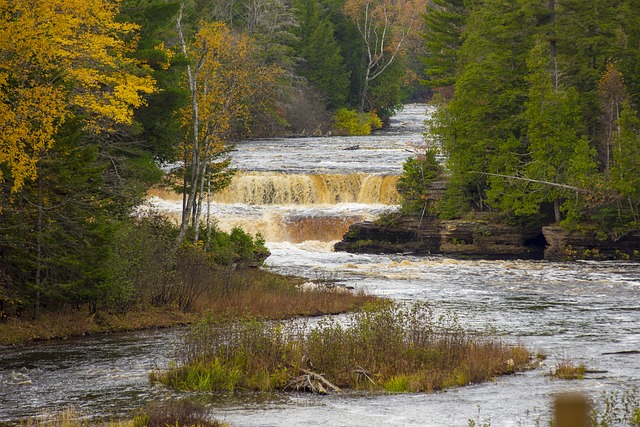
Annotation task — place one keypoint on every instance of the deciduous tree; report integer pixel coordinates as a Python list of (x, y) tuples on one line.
[(57, 58), (225, 80), (385, 27)]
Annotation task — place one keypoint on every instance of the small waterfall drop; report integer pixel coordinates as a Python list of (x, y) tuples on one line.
[(311, 189), (267, 188)]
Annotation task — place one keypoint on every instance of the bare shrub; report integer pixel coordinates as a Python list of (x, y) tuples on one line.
[(175, 413), (306, 113)]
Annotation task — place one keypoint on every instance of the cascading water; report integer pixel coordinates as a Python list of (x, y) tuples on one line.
[(301, 194)]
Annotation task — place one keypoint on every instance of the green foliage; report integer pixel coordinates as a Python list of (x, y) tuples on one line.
[(625, 174), (389, 92), (489, 96), (235, 247), (418, 173), (322, 62), (535, 141), (56, 230), (444, 25), (323, 65), (617, 408), (355, 123)]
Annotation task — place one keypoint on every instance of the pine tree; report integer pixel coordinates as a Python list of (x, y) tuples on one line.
[(482, 120), (444, 24), (559, 151), (321, 58), (625, 175)]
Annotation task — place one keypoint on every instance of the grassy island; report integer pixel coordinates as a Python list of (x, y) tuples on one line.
[(384, 348)]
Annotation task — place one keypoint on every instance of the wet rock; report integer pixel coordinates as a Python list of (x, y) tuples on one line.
[(485, 239), (489, 240)]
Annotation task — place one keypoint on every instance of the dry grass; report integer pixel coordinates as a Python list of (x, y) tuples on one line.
[(567, 370), (78, 322), (174, 413), (385, 348), (69, 417), (262, 294), (251, 292)]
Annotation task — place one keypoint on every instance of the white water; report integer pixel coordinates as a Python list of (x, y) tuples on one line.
[(574, 311)]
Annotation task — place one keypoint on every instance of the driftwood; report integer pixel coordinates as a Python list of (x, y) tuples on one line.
[(363, 374), (312, 382), (623, 352), (352, 147)]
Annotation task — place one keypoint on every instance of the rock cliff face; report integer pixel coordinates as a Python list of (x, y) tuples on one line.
[(464, 239), (408, 235), (485, 239), (563, 245)]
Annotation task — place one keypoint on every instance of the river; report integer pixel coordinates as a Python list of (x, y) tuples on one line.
[(302, 194)]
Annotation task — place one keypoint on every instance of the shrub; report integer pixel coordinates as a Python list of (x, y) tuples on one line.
[(413, 186), (567, 370), (176, 413), (617, 408), (355, 123)]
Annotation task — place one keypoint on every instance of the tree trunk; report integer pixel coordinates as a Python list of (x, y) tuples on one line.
[(40, 229), (552, 44), (192, 75)]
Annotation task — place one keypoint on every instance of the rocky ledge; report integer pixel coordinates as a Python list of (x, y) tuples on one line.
[(461, 238), (563, 245), (484, 239)]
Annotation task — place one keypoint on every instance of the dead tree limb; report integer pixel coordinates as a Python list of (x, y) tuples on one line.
[(536, 181)]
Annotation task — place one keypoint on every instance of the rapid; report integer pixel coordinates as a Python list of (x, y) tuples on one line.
[(302, 194)]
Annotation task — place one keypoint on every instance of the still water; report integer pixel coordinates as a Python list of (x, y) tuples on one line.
[(302, 194)]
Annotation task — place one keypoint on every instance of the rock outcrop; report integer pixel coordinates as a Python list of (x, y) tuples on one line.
[(407, 235), (486, 239), (565, 245), (461, 238)]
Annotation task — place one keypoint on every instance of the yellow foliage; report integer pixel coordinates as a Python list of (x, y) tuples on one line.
[(229, 81), (57, 56)]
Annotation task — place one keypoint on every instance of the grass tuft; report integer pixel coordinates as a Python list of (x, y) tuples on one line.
[(567, 370)]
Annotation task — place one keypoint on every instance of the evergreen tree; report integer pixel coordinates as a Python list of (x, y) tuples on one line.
[(444, 24), (160, 132), (56, 230), (628, 38), (586, 40), (625, 175), (321, 59), (483, 118)]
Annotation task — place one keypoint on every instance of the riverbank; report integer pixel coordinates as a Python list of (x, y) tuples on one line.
[(484, 238), (252, 292)]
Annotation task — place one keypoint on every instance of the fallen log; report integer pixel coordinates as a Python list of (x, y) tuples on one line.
[(312, 382)]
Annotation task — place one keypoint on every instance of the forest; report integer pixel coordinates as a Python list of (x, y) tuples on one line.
[(537, 111), (97, 95), (537, 117)]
